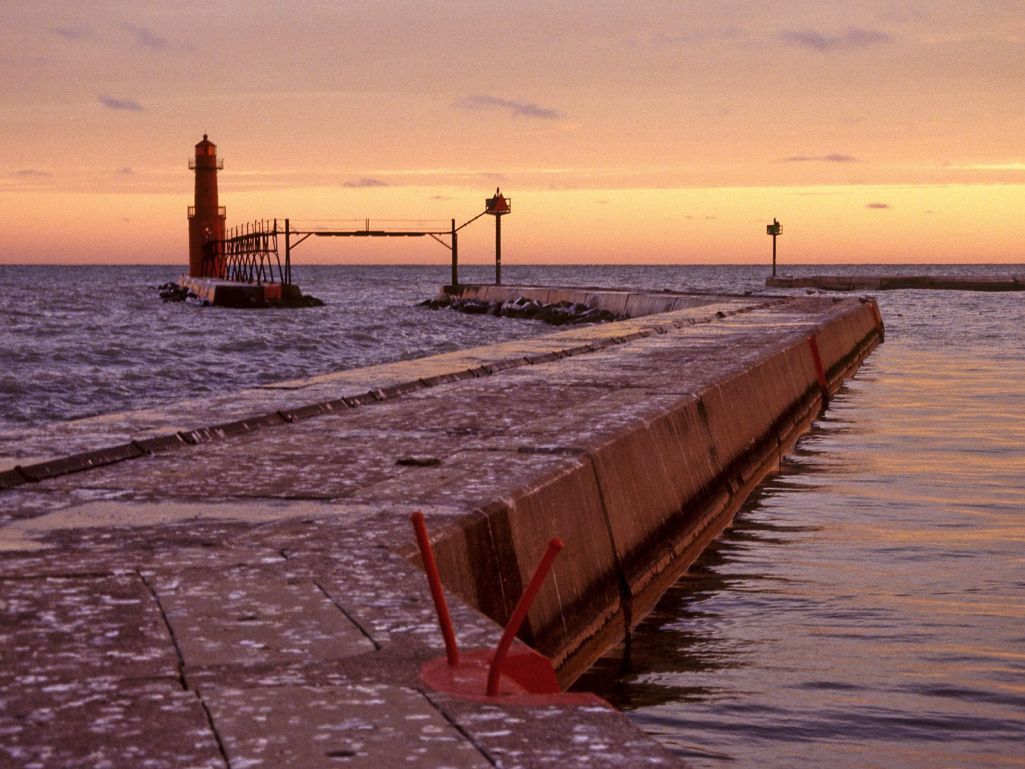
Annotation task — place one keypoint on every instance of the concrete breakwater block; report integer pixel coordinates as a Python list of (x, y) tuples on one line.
[(897, 282), (257, 574), (608, 304), (226, 293), (641, 499)]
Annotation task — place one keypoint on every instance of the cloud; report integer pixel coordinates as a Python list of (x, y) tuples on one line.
[(515, 108), (990, 167), (833, 157), (72, 33), (145, 37), (852, 37), (365, 182), (879, 206), (129, 105), (126, 171), (32, 173)]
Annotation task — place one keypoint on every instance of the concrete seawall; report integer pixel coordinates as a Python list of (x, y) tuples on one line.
[(240, 568), (896, 282), (644, 498), (631, 304)]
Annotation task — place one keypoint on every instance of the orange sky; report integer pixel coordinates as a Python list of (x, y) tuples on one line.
[(648, 132)]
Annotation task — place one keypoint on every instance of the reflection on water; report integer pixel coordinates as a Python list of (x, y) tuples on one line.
[(866, 609)]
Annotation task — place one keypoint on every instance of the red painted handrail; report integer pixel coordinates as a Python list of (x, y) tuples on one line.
[(512, 627), (437, 592)]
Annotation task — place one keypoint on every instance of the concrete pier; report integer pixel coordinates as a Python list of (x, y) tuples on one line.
[(229, 293), (232, 582), (895, 282), (624, 303)]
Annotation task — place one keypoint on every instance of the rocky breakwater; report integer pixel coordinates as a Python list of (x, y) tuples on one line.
[(559, 313)]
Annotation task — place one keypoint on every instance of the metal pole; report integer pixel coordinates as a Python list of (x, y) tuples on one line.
[(498, 250), (519, 614), (437, 591), (288, 253), (455, 258), (774, 256)]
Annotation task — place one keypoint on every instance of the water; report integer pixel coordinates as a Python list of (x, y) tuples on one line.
[(84, 340), (78, 341), (868, 607), (865, 610)]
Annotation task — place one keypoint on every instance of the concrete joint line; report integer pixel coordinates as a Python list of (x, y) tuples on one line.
[(501, 582), (625, 596), (348, 616), (170, 631), (213, 729), (182, 679), (494, 761)]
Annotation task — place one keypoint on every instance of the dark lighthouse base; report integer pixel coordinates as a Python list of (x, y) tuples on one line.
[(227, 293)]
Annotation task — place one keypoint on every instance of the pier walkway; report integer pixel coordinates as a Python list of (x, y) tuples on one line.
[(231, 582)]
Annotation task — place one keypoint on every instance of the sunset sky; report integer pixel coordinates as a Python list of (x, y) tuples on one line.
[(662, 132)]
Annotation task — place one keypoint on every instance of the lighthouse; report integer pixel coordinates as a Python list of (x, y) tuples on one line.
[(206, 218)]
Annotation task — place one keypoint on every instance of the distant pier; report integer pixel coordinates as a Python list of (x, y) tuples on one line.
[(232, 293), (233, 581), (242, 266), (895, 282)]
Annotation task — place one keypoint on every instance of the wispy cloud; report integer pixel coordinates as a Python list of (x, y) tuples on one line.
[(366, 182), (32, 173), (515, 108), (145, 37), (990, 167), (833, 157), (126, 171), (879, 206), (72, 33), (852, 37), (128, 105)]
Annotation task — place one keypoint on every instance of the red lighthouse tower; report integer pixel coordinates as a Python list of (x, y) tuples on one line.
[(206, 218)]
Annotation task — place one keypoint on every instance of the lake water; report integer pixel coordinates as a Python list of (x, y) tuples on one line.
[(866, 609)]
